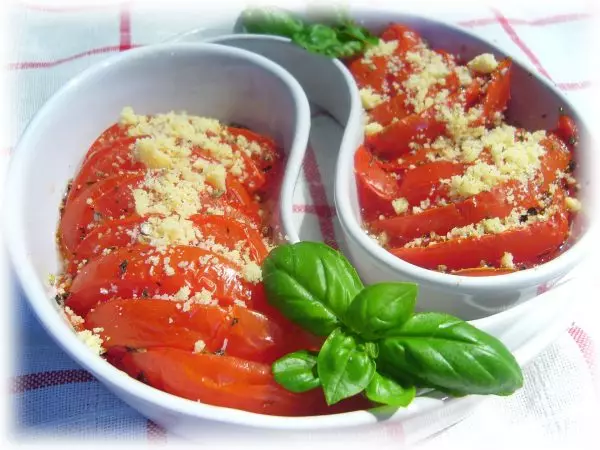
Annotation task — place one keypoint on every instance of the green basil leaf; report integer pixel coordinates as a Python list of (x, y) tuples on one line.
[(340, 41), (380, 309), (270, 21), (451, 355), (383, 389), (344, 367), (311, 284), (297, 371)]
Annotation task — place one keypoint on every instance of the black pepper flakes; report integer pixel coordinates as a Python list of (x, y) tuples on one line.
[(123, 267), (234, 321), (60, 298), (219, 352)]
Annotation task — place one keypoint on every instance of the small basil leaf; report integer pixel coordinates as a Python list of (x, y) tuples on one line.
[(311, 284), (297, 371), (380, 309), (270, 21), (451, 355), (344, 367), (383, 389)]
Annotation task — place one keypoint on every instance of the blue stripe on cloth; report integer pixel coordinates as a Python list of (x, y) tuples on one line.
[(81, 410)]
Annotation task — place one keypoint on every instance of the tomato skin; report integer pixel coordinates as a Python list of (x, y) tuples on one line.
[(393, 141), (105, 199), (567, 130), (424, 181), (528, 245), (149, 323), (112, 234), (104, 277), (108, 136), (228, 232), (217, 380), (442, 219), (557, 158), (369, 75), (498, 91), (406, 37), (393, 108), (106, 161), (270, 152), (376, 188)]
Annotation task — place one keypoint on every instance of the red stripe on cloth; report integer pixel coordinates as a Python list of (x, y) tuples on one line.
[(574, 86), (155, 433), (42, 380), (561, 18), (320, 210), (517, 40), (319, 197), (125, 28), (48, 64), (586, 346)]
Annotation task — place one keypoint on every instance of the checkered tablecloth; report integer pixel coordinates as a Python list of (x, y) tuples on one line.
[(50, 42)]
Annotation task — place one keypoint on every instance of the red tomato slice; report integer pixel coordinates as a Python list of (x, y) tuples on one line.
[(557, 158), (269, 150), (105, 162), (254, 177), (104, 200), (498, 91), (110, 235), (407, 39), (229, 232), (370, 75), (529, 245), (387, 111), (393, 141), (142, 271), (111, 134), (376, 188), (442, 219), (149, 323), (424, 181), (161, 323), (217, 380), (566, 129)]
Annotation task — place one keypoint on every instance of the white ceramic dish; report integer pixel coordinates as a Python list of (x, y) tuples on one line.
[(534, 105), (39, 174)]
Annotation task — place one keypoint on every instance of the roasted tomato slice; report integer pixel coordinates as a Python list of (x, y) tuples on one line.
[(370, 74), (146, 323), (107, 199), (113, 158), (217, 380), (376, 188), (499, 202), (498, 91), (566, 129), (393, 141), (407, 38), (425, 181), (108, 136), (144, 271), (394, 108), (232, 234), (529, 245)]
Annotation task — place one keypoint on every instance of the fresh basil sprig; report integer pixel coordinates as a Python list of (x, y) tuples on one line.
[(376, 343), (343, 40)]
